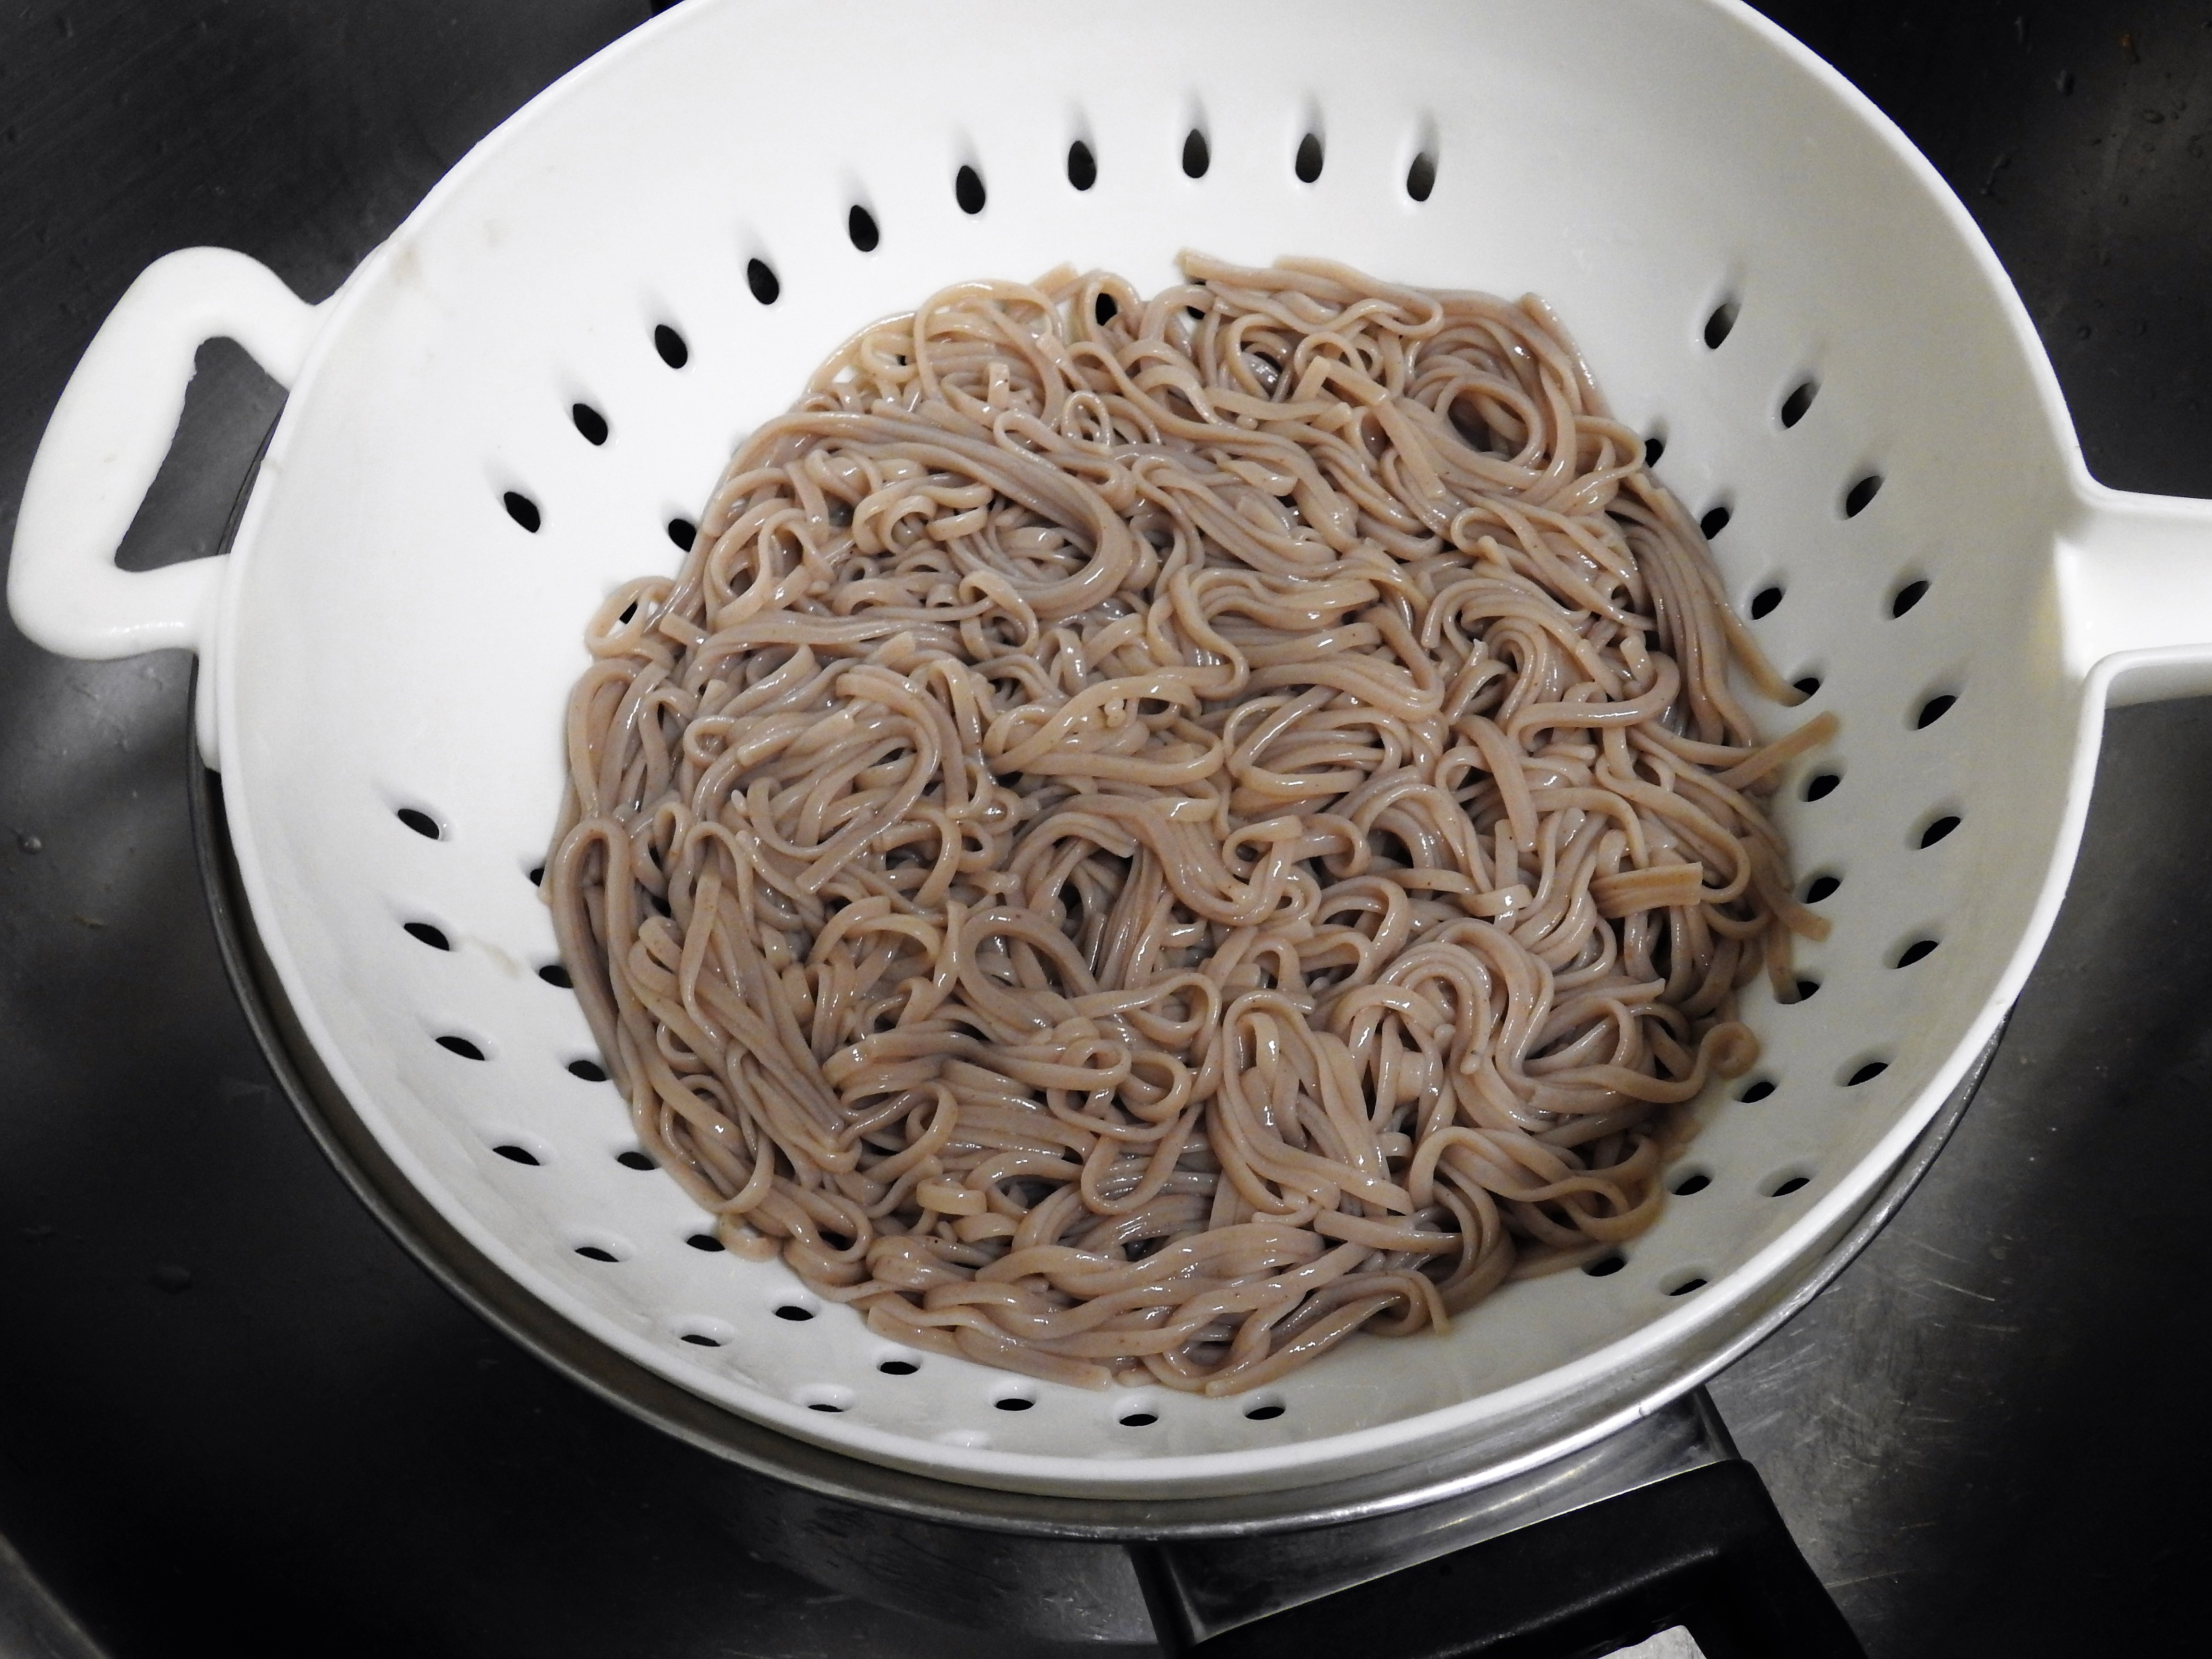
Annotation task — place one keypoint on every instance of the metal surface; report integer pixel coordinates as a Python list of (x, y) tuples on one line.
[(232, 1410)]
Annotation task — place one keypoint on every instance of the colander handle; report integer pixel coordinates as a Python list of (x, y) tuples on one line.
[(107, 440)]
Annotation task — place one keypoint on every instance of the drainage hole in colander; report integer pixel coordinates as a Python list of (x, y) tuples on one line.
[(824, 1406), (1081, 166), (683, 533), (860, 225), (670, 344), (1265, 1412), (1821, 785), (1138, 1419), (705, 1242), (1307, 167), (1806, 684), (1807, 990), (1783, 1185), (794, 1312), (421, 822), (1722, 322), (1800, 399), (596, 1253), (1763, 601), (1758, 1089), (898, 1367), (1013, 1402), (590, 423), (1606, 1264), (1933, 710), (634, 1159), (1822, 886), (1715, 519), (1940, 828), (1654, 448), (1866, 1071), (1421, 176), (1861, 494), (1197, 156), (515, 1154), (700, 1339), (968, 189), (1919, 950), (1694, 1282), (558, 976), (589, 1070), (522, 510), (461, 1046), (1694, 1181), (429, 935), (1907, 596), (761, 280), (537, 873)]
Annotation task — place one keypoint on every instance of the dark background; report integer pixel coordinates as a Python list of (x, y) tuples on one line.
[(236, 1418)]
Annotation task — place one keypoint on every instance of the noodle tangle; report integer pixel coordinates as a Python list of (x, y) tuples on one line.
[(1151, 835)]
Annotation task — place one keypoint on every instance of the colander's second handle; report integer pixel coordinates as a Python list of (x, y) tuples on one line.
[(107, 440)]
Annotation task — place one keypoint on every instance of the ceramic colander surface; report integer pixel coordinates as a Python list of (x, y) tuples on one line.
[(502, 412)]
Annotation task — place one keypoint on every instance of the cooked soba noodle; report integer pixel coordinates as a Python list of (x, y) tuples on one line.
[(1149, 835)]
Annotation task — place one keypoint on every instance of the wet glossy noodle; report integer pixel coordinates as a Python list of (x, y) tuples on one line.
[(1151, 835)]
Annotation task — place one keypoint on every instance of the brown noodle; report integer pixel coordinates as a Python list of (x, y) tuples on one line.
[(1151, 835)]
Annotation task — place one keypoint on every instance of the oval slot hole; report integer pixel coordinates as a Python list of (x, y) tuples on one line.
[(1807, 990), (705, 1242), (635, 1160), (1807, 685), (590, 1069), (1606, 1265), (683, 533), (1788, 1185), (536, 875), (1307, 164), (1821, 887), (1715, 521), (558, 976), (1686, 1286), (898, 1367), (797, 1314), (1798, 402), (763, 281), (1764, 602), (1936, 831), (670, 344), (1919, 950), (1138, 1420), (522, 510), (1907, 596), (1722, 322), (517, 1155), (1758, 1089), (1081, 166), (594, 1253), (1197, 156), (1866, 1073), (421, 822), (1861, 494), (1014, 1402), (1654, 448), (1822, 785), (1933, 710), (590, 423), (700, 1339), (860, 225), (1421, 176), (1264, 1413), (429, 935), (461, 1046), (968, 189), (1696, 1181)]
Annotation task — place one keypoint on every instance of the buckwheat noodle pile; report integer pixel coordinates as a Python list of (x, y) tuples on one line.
[(1149, 835)]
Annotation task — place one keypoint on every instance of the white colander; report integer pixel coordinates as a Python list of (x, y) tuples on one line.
[(500, 414)]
